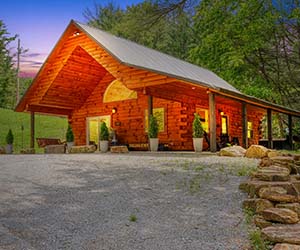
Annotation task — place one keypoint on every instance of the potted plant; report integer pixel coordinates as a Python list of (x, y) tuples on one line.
[(104, 135), (197, 133), (9, 142), (152, 133), (70, 137)]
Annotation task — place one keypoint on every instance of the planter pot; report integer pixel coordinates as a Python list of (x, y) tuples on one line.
[(198, 144), (153, 144), (9, 149), (69, 145), (103, 146)]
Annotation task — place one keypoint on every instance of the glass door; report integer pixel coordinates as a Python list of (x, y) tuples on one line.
[(93, 128)]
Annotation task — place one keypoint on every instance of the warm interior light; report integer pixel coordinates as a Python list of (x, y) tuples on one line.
[(221, 113), (76, 33), (114, 110)]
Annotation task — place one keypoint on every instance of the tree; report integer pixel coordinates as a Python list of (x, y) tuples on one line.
[(7, 72), (252, 44)]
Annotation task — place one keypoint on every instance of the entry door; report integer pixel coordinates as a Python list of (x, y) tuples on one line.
[(224, 122), (93, 127)]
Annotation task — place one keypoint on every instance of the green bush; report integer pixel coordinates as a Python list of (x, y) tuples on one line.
[(153, 127), (197, 127), (104, 133), (9, 137), (69, 134)]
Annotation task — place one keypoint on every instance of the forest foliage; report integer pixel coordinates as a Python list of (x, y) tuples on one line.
[(253, 44)]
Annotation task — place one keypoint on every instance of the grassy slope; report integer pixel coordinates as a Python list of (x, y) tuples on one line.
[(45, 126)]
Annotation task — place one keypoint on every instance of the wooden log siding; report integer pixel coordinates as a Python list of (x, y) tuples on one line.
[(80, 68)]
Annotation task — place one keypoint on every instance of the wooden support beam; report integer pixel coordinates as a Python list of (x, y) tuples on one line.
[(212, 122), (290, 136), (244, 125), (269, 124), (150, 109), (32, 129)]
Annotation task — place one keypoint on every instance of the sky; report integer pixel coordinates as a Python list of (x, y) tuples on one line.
[(40, 23)]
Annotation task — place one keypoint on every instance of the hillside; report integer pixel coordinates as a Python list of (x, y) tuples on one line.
[(45, 126)]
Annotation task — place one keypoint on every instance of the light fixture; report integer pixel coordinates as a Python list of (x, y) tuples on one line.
[(114, 110), (221, 113), (76, 33), (193, 88)]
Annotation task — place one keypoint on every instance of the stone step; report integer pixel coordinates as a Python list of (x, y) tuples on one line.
[(283, 233), (277, 194), (282, 215), (292, 206), (272, 173), (285, 246)]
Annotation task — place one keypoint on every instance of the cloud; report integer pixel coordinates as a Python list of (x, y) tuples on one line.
[(33, 55)]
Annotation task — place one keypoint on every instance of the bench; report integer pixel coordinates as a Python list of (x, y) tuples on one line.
[(51, 145)]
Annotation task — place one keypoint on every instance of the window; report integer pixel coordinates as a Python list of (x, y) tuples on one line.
[(203, 113), (224, 125), (93, 127), (117, 91), (159, 114), (250, 130)]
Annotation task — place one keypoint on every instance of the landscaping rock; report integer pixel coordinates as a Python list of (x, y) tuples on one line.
[(260, 222), (292, 206), (283, 233), (277, 194), (119, 149), (27, 151), (2, 150), (274, 153), (263, 204), (234, 151), (285, 246), (253, 186), (256, 151), (272, 173), (282, 215), (265, 162), (257, 205), (82, 149), (55, 149)]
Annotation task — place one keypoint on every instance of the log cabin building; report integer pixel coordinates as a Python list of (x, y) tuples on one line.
[(92, 76)]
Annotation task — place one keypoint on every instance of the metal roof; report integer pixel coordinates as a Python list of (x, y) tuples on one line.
[(139, 56)]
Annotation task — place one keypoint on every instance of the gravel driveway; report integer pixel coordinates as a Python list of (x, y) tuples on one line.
[(116, 202)]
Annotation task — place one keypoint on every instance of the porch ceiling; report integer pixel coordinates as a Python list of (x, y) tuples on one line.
[(75, 81)]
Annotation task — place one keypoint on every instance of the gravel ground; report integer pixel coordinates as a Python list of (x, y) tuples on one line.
[(90, 201)]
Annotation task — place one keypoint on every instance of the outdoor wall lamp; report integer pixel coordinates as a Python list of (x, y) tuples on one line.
[(114, 110), (221, 111)]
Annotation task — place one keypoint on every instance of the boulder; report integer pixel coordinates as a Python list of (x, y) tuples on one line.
[(274, 153), (265, 162), (292, 206), (257, 205), (234, 151), (284, 161), (55, 149), (253, 185), (272, 173), (277, 194), (263, 204), (119, 149), (283, 233), (82, 149), (260, 222), (2, 150), (256, 151), (282, 215), (285, 246)]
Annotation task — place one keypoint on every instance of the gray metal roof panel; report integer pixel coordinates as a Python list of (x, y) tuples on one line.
[(140, 56)]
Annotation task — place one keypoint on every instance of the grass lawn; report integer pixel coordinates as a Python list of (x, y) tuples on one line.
[(45, 126)]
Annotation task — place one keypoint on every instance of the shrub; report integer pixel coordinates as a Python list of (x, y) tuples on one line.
[(153, 127), (9, 137), (104, 133), (197, 127), (69, 134)]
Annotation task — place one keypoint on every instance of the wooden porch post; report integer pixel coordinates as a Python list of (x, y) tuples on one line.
[(290, 124), (244, 125), (212, 122), (269, 122), (32, 128), (150, 108)]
